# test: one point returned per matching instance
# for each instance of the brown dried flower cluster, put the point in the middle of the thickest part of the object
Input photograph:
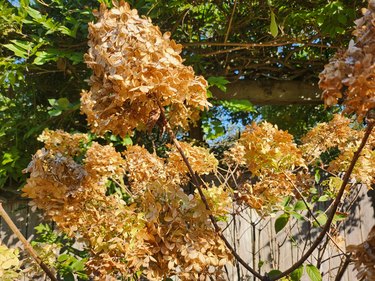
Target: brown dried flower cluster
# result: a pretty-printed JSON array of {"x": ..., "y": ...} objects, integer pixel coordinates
[
  {"x": 270, "y": 189},
  {"x": 350, "y": 75},
  {"x": 335, "y": 133},
  {"x": 143, "y": 168},
  {"x": 364, "y": 257},
  {"x": 338, "y": 134},
  {"x": 201, "y": 161},
  {"x": 160, "y": 230},
  {"x": 263, "y": 148},
  {"x": 62, "y": 142},
  {"x": 135, "y": 67},
  {"x": 270, "y": 155}
]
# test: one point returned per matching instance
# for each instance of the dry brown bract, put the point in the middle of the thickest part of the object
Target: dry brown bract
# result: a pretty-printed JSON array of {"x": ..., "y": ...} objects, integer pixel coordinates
[
  {"x": 350, "y": 75},
  {"x": 364, "y": 255},
  {"x": 134, "y": 66}
]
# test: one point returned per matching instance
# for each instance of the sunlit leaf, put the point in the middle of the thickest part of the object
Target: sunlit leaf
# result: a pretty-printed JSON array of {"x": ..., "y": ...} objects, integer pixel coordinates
[
  {"x": 296, "y": 275},
  {"x": 313, "y": 273},
  {"x": 273, "y": 25},
  {"x": 238, "y": 105},
  {"x": 321, "y": 219}
]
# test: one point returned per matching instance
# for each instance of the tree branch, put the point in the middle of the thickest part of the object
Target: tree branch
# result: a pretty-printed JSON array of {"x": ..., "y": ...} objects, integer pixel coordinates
[
  {"x": 253, "y": 45},
  {"x": 343, "y": 268}
]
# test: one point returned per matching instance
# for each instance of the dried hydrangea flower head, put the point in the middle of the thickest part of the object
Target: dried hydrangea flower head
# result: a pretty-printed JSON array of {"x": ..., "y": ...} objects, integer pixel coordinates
[
  {"x": 263, "y": 149},
  {"x": 270, "y": 155},
  {"x": 135, "y": 66},
  {"x": 364, "y": 257},
  {"x": 354, "y": 70}
]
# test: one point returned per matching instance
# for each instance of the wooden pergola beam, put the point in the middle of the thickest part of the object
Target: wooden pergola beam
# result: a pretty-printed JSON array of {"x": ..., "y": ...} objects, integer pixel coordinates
[{"x": 271, "y": 92}]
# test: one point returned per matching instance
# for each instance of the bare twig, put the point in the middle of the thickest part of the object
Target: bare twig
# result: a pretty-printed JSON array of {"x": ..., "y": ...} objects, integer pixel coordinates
[
  {"x": 230, "y": 21},
  {"x": 223, "y": 51},
  {"x": 343, "y": 268},
  {"x": 26, "y": 244}
]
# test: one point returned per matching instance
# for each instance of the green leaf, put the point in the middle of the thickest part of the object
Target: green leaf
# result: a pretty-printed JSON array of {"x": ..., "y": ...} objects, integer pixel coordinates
[
  {"x": 44, "y": 57},
  {"x": 212, "y": 129},
  {"x": 313, "y": 190},
  {"x": 274, "y": 273},
  {"x": 218, "y": 81},
  {"x": 297, "y": 215},
  {"x": 300, "y": 206},
  {"x": 296, "y": 275},
  {"x": 50, "y": 25},
  {"x": 238, "y": 105},
  {"x": 317, "y": 176},
  {"x": 52, "y": 102},
  {"x": 7, "y": 158},
  {"x": 323, "y": 198},
  {"x": 78, "y": 265},
  {"x": 48, "y": 55},
  {"x": 18, "y": 51},
  {"x": 127, "y": 141},
  {"x": 63, "y": 257},
  {"x": 75, "y": 57},
  {"x": 67, "y": 31},
  {"x": 69, "y": 277},
  {"x": 36, "y": 15},
  {"x": 209, "y": 94},
  {"x": 273, "y": 25},
  {"x": 286, "y": 201},
  {"x": 339, "y": 216},
  {"x": 322, "y": 219},
  {"x": 63, "y": 103},
  {"x": 342, "y": 18},
  {"x": 335, "y": 183},
  {"x": 281, "y": 222},
  {"x": 26, "y": 45},
  {"x": 313, "y": 273},
  {"x": 54, "y": 112}
]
